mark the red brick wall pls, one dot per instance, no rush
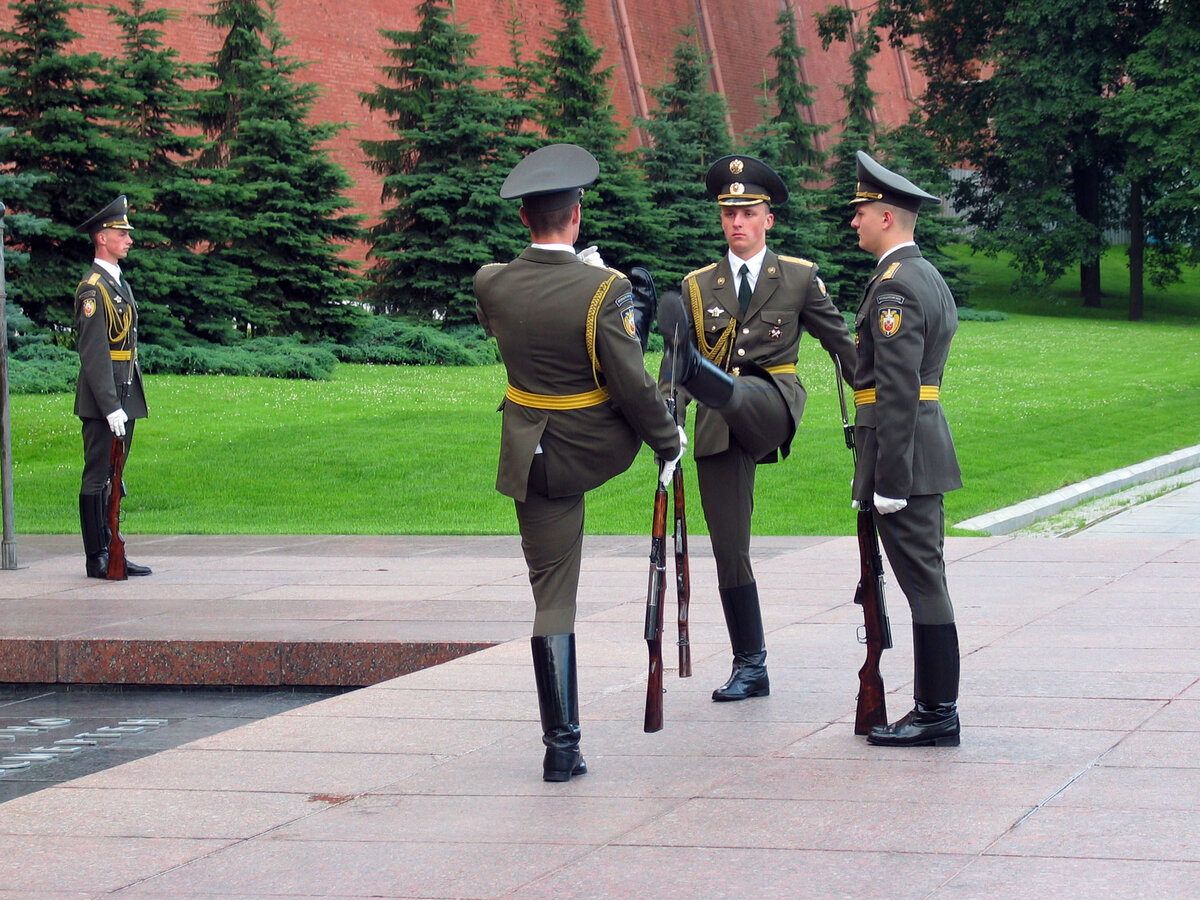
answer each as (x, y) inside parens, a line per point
(340, 39)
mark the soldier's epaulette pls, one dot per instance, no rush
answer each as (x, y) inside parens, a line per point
(891, 271)
(696, 272)
(797, 259)
(491, 266)
(616, 272)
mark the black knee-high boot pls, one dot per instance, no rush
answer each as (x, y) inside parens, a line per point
(934, 718)
(95, 534)
(558, 700)
(708, 383)
(743, 619)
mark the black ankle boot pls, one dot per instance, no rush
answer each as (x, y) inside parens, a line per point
(933, 720)
(743, 619)
(558, 701)
(707, 383)
(645, 303)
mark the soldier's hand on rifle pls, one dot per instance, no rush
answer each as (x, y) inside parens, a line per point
(888, 505)
(116, 421)
(668, 466)
(591, 256)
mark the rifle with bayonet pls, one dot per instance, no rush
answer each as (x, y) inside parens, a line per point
(683, 581)
(116, 543)
(877, 629)
(654, 609)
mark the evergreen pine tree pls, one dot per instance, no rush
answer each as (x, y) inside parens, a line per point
(157, 115)
(787, 142)
(281, 220)
(441, 171)
(687, 131)
(61, 161)
(577, 108)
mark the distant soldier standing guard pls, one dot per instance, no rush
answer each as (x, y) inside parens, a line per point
(109, 395)
(906, 459)
(578, 407)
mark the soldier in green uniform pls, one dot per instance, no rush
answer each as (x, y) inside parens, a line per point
(906, 459)
(578, 407)
(732, 344)
(108, 397)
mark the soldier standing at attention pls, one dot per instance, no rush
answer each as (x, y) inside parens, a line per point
(732, 341)
(578, 406)
(109, 395)
(906, 459)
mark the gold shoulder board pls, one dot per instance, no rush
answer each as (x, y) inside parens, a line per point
(891, 270)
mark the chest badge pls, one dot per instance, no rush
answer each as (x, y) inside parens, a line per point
(715, 311)
(775, 333)
(889, 321)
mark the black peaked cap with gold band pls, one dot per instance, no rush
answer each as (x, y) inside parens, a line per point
(875, 182)
(551, 177)
(115, 215)
(743, 181)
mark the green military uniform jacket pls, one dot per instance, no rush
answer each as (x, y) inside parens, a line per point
(788, 298)
(904, 326)
(555, 319)
(106, 325)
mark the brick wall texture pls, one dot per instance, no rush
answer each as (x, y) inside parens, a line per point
(340, 40)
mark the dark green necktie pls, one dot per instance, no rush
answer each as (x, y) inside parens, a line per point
(744, 291)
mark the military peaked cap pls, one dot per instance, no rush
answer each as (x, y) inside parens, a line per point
(551, 177)
(115, 215)
(744, 180)
(876, 182)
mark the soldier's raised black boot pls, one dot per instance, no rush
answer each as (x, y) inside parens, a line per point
(558, 701)
(934, 718)
(645, 303)
(743, 619)
(95, 542)
(707, 383)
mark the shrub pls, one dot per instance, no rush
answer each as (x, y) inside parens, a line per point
(393, 341)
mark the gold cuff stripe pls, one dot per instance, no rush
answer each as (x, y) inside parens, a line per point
(561, 401)
(782, 370)
(121, 355)
(867, 395)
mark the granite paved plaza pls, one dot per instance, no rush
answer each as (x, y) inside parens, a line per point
(1078, 773)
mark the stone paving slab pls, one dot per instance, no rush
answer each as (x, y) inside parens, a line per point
(1077, 775)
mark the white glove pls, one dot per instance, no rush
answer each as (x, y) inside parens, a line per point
(116, 421)
(669, 466)
(888, 505)
(591, 256)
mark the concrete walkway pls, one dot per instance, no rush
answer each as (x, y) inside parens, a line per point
(1078, 774)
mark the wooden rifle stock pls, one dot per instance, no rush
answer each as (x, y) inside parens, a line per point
(116, 543)
(654, 611)
(877, 629)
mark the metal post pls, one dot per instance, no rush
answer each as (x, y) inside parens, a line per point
(8, 549)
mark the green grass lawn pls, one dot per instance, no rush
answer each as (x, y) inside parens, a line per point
(1052, 395)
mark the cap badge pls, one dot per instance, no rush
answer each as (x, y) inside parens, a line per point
(736, 166)
(737, 188)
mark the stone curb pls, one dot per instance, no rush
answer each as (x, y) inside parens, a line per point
(1011, 518)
